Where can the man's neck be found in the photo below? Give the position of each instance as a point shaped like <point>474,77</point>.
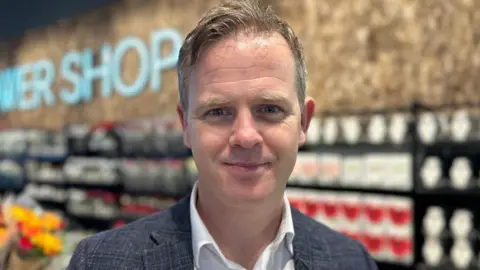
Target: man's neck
<point>242,233</point>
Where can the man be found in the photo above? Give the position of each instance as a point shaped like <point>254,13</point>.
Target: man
<point>244,112</point>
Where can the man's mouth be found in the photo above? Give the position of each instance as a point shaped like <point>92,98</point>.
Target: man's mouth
<point>248,165</point>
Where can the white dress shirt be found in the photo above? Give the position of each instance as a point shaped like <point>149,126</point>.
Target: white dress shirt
<point>207,255</point>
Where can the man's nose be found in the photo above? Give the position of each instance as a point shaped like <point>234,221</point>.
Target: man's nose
<point>245,133</point>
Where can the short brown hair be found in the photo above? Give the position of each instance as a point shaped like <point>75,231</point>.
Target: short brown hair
<point>230,18</point>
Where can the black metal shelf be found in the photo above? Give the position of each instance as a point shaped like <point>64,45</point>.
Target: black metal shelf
<point>353,189</point>
<point>450,148</point>
<point>392,266</point>
<point>362,147</point>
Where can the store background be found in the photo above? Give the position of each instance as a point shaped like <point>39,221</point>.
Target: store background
<point>390,160</point>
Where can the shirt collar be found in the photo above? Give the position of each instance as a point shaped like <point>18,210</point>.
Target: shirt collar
<point>201,236</point>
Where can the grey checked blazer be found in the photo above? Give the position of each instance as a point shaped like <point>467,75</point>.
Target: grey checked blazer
<point>162,241</point>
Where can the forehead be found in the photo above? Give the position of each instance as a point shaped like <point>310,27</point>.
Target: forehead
<point>246,56</point>
<point>245,61</point>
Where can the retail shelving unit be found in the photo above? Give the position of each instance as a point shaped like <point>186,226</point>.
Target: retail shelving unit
<point>404,182</point>
<point>356,175</point>
<point>434,194</point>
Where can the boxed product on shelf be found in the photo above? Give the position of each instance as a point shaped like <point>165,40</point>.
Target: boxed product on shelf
<point>455,172</point>
<point>47,144</point>
<point>384,224</point>
<point>399,174</point>
<point>464,126</point>
<point>449,237</point>
<point>353,128</point>
<point>92,170</point>
<point>433,252</point>
<point>133,207</point>
<point>400,229</point>
<point>434,222</point>
<point>314,133</point>
<point>165,176</point>
<point>13,143</point>
<point>353,171</point>
<point>462,254</point>
<point>461,173</point>
<point>388,171</point>
<point>430,127</point>
<point>43,192</point>
<point>462,224</point>
<point>431,174</point>
<point>330,168</point>
<point>135,137</point>
<point>12,175</point>
<point>330,130</point>
<point>399,125</point>
<point>306,170</point>
<point>44,172</point>
<point>374,128</point>
<point>77,139</point>
<point>92,204</point>
<point>103,140</point>
<point>376,171</point>
<point>377,129</point>
<point>460,125</point>
<point>168,137</point>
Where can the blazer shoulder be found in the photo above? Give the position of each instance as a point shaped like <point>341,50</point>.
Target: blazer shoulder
<point>341,249</point>
<point>122,246</point>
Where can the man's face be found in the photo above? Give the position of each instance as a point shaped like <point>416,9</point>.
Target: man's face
<point>244,123</point>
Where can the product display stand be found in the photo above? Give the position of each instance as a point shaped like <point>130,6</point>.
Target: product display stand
<point>356,175</point>
<point>352,167</point>
<point>404,182</point>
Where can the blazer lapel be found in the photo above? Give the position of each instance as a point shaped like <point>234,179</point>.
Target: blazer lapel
<point>171,243</point>
<point>308,255</point>
<point>174,254</point>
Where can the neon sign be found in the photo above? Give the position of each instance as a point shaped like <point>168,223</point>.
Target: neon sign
<point>30,86</point>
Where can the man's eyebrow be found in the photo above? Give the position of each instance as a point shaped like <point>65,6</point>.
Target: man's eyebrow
<point>211,102</point>
<point>273,97</point>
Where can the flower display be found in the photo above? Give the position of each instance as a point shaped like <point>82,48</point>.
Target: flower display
<point>37,234</point>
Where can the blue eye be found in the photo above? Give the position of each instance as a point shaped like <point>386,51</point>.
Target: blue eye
<point>270,109</point>
<point>216,112</point>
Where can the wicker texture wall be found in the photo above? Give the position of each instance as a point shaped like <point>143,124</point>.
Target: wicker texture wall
<point>360,53</point>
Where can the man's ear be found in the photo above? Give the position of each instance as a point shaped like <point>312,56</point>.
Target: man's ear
<point>182,115</point>
<point>307,114</point>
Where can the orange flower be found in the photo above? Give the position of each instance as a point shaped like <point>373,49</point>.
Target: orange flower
<point>34,230</point>
<point>48,243</point>
<point>30,229</point>
<point>51,222</point>
<point>31,226</point>
<point>21,214</point>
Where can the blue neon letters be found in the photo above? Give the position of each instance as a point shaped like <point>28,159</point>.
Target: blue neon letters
<point>29,86</point>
